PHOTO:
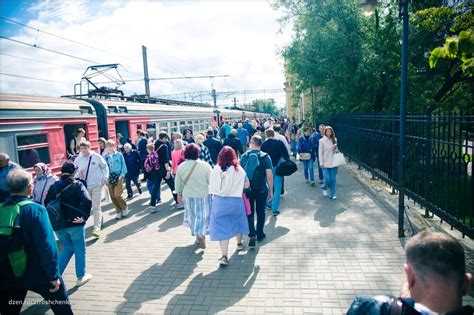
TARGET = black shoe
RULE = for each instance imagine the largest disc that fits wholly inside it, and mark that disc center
(261, 237)
(276, 213)
(140, 191)
(129, 196)
(252, 242)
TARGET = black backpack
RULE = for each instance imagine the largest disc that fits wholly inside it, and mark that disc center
(259, 176)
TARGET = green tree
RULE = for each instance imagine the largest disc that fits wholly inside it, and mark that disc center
(265, 106)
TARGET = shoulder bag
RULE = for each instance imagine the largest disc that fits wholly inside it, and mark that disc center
(338, 159)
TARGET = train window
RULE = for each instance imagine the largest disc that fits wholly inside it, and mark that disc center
(164, 127)
(33, 149)
(112, 109)
(123, 109)
(174, 126)
(85, 109)
(181, 126)
(151, 129)
(190, 124)
(32, 139)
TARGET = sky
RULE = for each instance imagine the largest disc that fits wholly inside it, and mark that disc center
(241, 39)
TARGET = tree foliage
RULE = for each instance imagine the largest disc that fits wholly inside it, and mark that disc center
(265, 106)
(353, 61)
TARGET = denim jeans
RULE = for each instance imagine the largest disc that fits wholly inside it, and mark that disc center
(11, 299)
(320, 170)
(277, 190)
(74, 243)
(309, 169)
(157, 185)
(293, 147)
(257, 204)
(330, 180)
(128, 184)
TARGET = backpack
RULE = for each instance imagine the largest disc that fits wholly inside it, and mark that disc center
(152, 161)
(13, 256)
(255, 173)
(55, 214)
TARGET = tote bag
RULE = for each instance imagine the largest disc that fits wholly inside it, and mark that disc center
(338, 159)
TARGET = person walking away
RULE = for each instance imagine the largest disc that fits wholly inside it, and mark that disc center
(192, 181)
(436, 277)
(133, 163)
(249, 128)
(318, 135)
(307, 155)
(161, 170)
(226, 128)
(228, 216)
(243, 136)
(142, 151)
(213, 145)
(94, 171)
(277, 151)
(278, 136)
(291, 131)
(75, 210)
(5, 167)
(327, 146)
(151, 162)
(205, 154)
(234, 143)
(41, 273)
(177, 156)
(43, 180)
(117, 171)
(74, 144)
(258, 167)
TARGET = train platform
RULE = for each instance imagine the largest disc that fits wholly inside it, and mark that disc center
(318, 255)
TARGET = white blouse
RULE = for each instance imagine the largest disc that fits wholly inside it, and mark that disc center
(227, 184)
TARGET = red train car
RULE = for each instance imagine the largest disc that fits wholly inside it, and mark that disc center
(39, 129)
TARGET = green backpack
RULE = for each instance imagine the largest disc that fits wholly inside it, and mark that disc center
(12, 252)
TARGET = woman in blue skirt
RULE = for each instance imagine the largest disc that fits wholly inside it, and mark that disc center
(228, 216)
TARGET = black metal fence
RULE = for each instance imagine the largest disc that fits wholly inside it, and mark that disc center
(439, 159)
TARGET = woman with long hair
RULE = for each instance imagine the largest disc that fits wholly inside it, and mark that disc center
(228, 216)
(43, 180)
(327, 147)
(192, 181)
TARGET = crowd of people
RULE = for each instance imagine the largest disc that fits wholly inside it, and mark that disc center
(223, 179)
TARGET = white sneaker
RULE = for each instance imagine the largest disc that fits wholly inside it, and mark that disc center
(240, 247)
(118, 216)
(325, 192)
(333, 197)
(83, 280)
(152, 209)
(125, 212)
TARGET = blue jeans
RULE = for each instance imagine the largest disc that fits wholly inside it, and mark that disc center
(330, 180)
(277, 187)
(309, 169)
(74, 243)
(149, 186)
(293, 147)
(320, 171)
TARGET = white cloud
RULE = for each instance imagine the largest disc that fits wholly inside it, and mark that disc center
(205, 38)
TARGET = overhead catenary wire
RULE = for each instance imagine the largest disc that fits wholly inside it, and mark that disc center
(47, 49)
(33, 78)
(40, 61)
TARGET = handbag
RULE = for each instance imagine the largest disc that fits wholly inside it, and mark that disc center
(113, 179)
(248, 210)
(286, 168)
(305, 156)
(338, 159)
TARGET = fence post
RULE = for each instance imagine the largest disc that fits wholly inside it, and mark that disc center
(427, 171)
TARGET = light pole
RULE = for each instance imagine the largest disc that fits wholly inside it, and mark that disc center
(368, 7)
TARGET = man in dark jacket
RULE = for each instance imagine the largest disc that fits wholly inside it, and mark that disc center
(142, 152)
(234, 143)
(132, 161)
(42, 272)
(277, 150)
(213, 145)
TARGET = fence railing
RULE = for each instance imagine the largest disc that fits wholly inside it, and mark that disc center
(439, 159)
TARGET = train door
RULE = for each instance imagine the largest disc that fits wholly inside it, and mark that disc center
(70, 132)
(122, 128)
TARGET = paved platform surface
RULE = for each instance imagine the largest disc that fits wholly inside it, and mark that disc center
(319, 254)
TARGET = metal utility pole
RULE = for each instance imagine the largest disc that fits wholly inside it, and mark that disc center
(403, 117)
(145, 72)
(235, 102)
(214, 97)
